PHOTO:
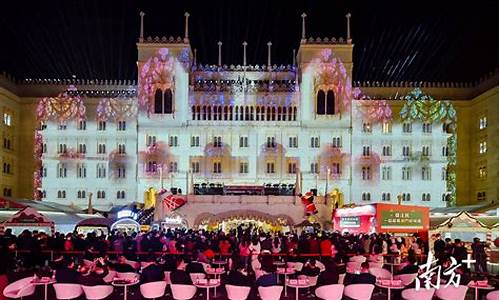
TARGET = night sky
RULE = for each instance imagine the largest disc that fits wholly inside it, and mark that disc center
(95, 39)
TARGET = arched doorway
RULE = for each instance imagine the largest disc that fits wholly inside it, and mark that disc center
(244, 219)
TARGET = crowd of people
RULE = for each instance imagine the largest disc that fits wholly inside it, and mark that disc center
(251, 255)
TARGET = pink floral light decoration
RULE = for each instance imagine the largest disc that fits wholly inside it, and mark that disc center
(223, 151)
(117, 109)
(71, 154)
(157, 72)
(116, 160)
(374, 111)
(372, 160)
(37, 175)
(330, 73)
(158, 153)
(62, 108)
(328, 157)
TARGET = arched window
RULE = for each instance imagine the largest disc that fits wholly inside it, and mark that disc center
(193, 111)
(236, 111)
(330, 103)
(198, 109)
(320, 103)
(251, 113)
(262, 113)
(158, 101)
(167, 102)
(247, 113)
(230, 113)
(257, 115)
(242, 112)
(225, 113)
(290, 112)
(216, 113)
(273, 113)
(279, 113)
(209, 112)
(295, 113)
(204, 113)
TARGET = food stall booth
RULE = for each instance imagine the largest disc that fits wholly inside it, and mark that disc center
(28, 219)
(383, 218)
(99, 225)
(126, 222)
(467, 226)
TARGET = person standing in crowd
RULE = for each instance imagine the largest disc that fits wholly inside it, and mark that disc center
(479, 254)
(459, 252)
(254, 249)
(439, 246)
(276, 247)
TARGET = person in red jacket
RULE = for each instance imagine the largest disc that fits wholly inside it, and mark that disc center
(325, 246)
(224, 246)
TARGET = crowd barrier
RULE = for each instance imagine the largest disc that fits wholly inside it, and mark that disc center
(51, 253)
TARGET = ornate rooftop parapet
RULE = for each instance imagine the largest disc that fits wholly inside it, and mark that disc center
(330, 41)
(248, 68)
(164, 40)
(251, 85)
(75, 81)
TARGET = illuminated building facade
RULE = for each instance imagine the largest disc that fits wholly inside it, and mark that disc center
(302, 127)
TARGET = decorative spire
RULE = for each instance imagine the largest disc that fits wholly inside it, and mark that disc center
(141, 35)
(269, 44)
(348, 17)
(186, 28)
(194, 62)
(219, 61)
(293, 58)
(245, 53)
(303, 26)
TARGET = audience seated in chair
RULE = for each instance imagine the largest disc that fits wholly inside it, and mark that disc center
(152, 271)
(194, 266)
(180, 276)
(310, 269)
(329, 275)
(268, 268)
(409, 267)
(67, 273)
(363, 277)
(122, 266)
(93, 275)
(237, 276)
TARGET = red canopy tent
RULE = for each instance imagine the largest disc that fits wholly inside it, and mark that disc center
(29, 218)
